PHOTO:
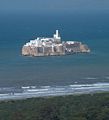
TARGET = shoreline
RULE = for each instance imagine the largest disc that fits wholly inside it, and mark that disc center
(77, 107)
(53, 96)
(48, 91)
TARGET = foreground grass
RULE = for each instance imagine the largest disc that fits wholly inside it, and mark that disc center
(78, 107)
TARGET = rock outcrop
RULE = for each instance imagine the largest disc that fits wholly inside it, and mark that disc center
(53, 46)
(65, 49)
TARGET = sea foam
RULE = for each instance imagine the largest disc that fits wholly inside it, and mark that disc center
(28, 91)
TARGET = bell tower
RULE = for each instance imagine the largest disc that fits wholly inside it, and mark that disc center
(57, 37)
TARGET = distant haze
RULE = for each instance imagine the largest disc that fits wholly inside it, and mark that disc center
(37, 6)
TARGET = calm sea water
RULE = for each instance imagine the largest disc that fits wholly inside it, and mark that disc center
(17, 70)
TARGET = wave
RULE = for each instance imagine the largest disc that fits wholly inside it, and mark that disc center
(107, 77)
(42, 91)
(91, 78)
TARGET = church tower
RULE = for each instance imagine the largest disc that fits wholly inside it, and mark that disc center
(57, 37)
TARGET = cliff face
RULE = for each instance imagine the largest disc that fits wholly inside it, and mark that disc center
(29, 51)
(84, 48)
(58, 49)
(41, 51)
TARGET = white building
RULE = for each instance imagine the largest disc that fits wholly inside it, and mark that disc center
(43, 41)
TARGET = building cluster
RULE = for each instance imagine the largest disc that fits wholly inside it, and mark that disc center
(52, 46)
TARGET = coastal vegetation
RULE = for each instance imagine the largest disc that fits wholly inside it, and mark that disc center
(72, 107)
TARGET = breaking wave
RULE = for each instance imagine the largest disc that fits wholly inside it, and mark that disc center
(24, 92)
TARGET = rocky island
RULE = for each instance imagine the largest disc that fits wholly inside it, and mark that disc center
(43, 46)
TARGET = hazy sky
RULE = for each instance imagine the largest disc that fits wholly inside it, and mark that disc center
(52, 5)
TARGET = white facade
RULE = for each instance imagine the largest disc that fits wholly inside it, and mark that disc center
(70, 42)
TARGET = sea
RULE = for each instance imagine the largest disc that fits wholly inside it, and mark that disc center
(53, 75)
